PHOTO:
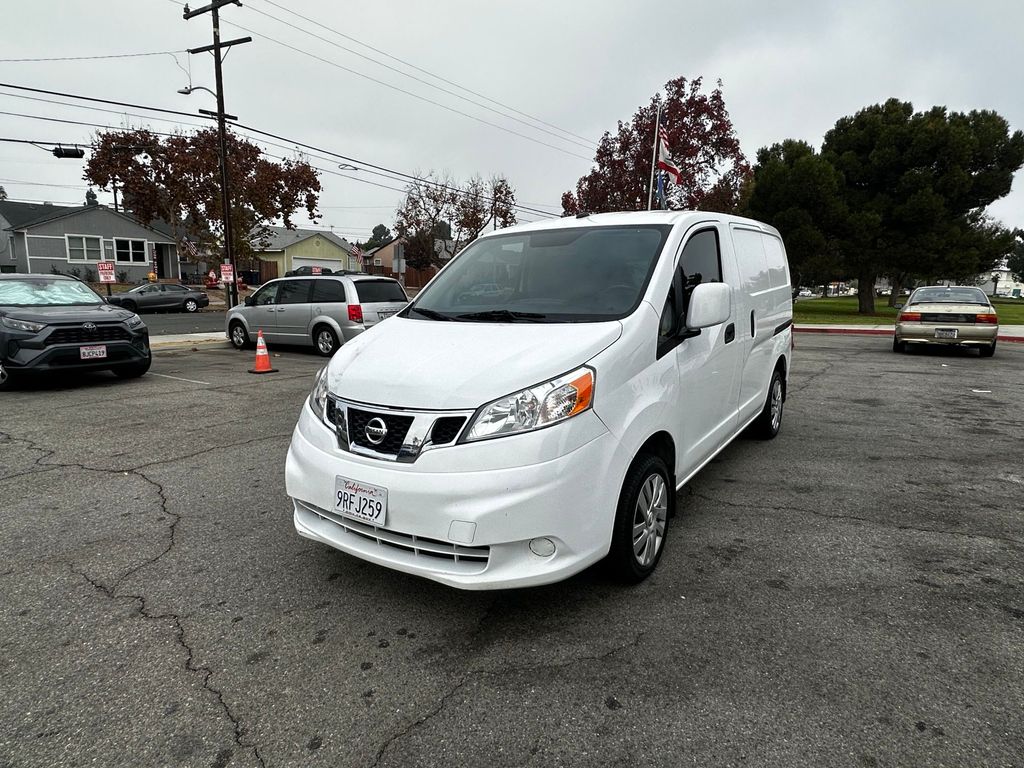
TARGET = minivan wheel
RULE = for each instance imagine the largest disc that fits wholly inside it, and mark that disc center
(987, 351)
(239, 336)
(191, 305)
(641, 519)
(325, 340)
(768, 424)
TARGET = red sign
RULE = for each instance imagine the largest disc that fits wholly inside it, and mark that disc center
(318, 270)
(227, 273)
(106, 271)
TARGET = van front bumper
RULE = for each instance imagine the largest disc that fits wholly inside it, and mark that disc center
(468, 529)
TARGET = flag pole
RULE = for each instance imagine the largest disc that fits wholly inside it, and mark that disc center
(654, 158)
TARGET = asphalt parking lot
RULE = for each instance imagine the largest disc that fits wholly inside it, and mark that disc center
(851, 594)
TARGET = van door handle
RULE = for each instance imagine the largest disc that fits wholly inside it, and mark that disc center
(730, 332)
(752, 326)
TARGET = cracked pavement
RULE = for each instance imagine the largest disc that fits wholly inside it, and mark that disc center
(851, 593)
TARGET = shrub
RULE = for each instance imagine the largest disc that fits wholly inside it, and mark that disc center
(76, 272)
(122, 276)
(90, 275)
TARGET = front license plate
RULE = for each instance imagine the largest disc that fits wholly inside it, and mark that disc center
(93, 353)
(945, 333)
(361, 501)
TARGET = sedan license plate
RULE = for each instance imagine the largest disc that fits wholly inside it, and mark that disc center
(97, 352)
(945, 333)
(361, 501)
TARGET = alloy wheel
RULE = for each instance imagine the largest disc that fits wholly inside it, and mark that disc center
(649, 519)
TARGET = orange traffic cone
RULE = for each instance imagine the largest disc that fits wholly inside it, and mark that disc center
(262, 358)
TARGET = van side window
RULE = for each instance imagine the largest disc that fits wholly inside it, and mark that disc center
(265, 295)
(294, 292)
(700, 261)
(667, 326)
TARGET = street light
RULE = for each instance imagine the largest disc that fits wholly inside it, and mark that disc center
(188, 91)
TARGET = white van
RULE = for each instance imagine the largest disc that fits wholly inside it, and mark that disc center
(535, 408)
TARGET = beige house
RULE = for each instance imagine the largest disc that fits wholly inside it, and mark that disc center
(289, 249)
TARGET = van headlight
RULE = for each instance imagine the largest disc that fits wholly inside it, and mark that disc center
(535, 407)
(318, 397)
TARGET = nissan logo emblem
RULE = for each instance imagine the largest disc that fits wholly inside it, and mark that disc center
(376, 430)
(89, 327)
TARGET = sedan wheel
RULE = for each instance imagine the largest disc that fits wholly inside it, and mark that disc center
(191, 305)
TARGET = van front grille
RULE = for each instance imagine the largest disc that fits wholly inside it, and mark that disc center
(397, 426)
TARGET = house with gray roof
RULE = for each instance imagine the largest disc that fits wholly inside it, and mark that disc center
(283, 250)
(42, 238)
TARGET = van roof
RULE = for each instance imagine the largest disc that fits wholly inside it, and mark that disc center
(621, 218)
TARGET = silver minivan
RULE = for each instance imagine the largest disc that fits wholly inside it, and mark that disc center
(323, 311)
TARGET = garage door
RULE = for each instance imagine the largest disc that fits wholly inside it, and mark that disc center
(332, 264)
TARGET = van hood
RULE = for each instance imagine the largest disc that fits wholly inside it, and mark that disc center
(440, 365)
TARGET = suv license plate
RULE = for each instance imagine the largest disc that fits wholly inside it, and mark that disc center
(93, 353)
(384, 315)
(361, 501)
(945, 333)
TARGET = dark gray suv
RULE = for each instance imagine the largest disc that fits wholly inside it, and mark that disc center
(54, 322)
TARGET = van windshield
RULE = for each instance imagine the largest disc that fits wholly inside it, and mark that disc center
(582, 274)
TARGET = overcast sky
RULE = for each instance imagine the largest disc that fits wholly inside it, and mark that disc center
(789, 70)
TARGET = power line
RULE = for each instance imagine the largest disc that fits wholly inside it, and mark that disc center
(584, 144)
(589, 142)
(40, 184)
(90, 58)
(372, 79)
(401, 176)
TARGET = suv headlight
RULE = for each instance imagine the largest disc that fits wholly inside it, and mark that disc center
(536, 407)
(134, 321)
(22, 325)
(318, 397)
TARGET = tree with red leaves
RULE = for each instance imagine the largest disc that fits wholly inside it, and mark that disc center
(177, 179)
(702, 141)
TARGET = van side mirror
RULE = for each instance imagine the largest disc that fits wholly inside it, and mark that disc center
(247, 301)
(710, 304)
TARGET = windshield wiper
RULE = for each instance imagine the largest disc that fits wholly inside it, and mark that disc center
(502, 315)
(431, 314)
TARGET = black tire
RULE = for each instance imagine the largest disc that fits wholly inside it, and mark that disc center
(647, 474)
(133, 371)
(898, 346)
(987, 351)
(130, 305)
(767, 425)
(238, 335)
(325, 340)
(190, 305)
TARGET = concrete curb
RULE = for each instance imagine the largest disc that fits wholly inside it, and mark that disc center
(879, 332)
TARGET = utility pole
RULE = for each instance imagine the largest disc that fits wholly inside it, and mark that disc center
(222, 136)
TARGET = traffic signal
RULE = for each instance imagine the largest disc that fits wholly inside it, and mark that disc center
(68, 152)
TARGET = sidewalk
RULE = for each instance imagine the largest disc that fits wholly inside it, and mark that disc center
(1013, 333)
(185, 340)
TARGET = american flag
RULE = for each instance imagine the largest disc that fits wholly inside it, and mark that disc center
(191, 248)
(665, 161)
(358, 253)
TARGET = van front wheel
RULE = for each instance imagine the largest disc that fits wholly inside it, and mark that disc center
(641, 520)
(768, 424)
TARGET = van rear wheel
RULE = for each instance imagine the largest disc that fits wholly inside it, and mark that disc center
(767, 425)
(325, 340)
(646, 503)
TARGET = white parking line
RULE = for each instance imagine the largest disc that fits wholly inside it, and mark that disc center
(178, 378)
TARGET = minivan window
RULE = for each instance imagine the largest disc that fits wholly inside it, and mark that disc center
(373, 291)
(578, 274)
(294, 292)
(43, 292)
(328, 291)
(265, 295)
